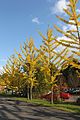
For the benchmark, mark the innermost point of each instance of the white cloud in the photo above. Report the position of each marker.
(68, 39)
(59, 6)
(64, 28)
(69, 27)
(72, 27)
(36, 20)
(63, 38)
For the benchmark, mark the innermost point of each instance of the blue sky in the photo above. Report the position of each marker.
(21, 19)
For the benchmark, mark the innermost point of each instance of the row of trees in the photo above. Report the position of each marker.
(36, 70)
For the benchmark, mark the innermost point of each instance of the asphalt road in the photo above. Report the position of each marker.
(25, 111)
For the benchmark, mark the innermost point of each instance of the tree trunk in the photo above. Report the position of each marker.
(28, 92)
(31, 93)
(52, 95)
(12, 91)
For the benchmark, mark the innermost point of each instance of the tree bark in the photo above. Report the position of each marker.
(28, 92)
(31, 93)
(52, 95)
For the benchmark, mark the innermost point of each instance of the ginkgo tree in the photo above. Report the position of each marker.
(4, 81)
(50, 56)
(28, 58)
(11, 69)
(71, 36)
(21, 72)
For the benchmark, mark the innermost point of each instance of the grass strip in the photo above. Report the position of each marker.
(69, 107)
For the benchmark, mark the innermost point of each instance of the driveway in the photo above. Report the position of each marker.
(25, 111)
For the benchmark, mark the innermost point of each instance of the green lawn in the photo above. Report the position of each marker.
(62, 106)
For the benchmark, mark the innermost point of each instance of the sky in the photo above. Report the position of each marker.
(22, 19)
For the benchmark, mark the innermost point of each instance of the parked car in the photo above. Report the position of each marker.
(62, 95)
(65, 95)
(73, 91)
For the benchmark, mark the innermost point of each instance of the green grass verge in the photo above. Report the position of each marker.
(61, 106)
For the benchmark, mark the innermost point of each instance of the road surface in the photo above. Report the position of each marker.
(25, 111)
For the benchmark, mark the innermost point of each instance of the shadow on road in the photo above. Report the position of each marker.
(9, 110)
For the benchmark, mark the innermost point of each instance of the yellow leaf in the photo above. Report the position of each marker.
(78, 23)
